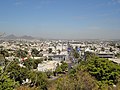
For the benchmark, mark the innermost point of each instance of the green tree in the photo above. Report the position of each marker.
(35, 52)
(41, 50)
(49, 73)
(21, 53)
(89, 55)
(110, 49)
(4, 53)
(76, 54)
(59, 51)
(2, 60)
(58, 69)
(64, 66)
(76, 47)
(102, 49)
(118, 46)
(50, 58)
(18, 73)
(50, 50)
(36, 62)
(38, 79)
(117, 55)
(80, 81)
(29, 63)
(105, 71)
(94, 48)
(45, 58)
(6, 83)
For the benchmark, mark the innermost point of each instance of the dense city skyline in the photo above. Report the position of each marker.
(65, 19)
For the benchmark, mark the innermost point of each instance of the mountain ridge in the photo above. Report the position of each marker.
(12, 36)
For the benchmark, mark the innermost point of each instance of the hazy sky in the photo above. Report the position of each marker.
(77, 19)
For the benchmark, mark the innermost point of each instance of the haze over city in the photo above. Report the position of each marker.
(59, 44)
(61, 19)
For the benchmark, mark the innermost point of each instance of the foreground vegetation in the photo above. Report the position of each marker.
(89, 73)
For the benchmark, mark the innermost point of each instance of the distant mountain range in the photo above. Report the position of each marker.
(21, 37)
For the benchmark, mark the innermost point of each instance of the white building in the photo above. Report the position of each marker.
(48, 66)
